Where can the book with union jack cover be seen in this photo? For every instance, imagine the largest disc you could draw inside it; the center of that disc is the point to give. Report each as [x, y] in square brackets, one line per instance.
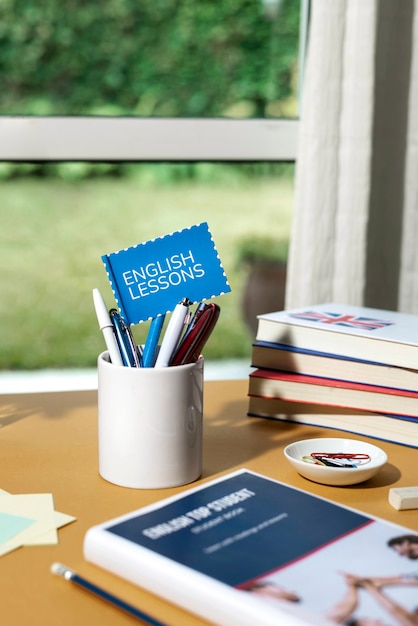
[377, 335]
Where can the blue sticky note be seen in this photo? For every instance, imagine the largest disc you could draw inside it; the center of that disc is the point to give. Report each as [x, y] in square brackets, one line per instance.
[11, 525]
[149, 279]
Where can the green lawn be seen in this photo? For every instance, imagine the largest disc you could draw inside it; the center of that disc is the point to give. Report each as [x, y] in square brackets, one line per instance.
[53, 233]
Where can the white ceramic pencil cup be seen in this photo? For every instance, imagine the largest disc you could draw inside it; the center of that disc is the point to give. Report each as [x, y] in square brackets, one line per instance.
[150, 424]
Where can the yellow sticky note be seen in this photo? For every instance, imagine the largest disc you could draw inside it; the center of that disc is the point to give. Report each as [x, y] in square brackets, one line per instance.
[40, 508]
[61, 519]
[44, 520]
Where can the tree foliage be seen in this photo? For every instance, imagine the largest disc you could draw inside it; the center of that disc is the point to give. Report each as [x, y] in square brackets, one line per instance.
[182, 58]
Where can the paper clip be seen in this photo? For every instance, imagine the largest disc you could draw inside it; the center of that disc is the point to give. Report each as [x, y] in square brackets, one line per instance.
[341, 455]
[310, 459]
[337, 459]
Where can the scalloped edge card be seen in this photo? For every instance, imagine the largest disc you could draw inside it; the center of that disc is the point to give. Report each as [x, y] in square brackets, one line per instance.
[149, 279]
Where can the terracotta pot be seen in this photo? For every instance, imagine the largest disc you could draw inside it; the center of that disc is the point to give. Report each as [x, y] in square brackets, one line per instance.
[264, 291]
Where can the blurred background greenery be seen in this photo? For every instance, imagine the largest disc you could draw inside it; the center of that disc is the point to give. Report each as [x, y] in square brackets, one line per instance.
[237, 58]
[177, 58]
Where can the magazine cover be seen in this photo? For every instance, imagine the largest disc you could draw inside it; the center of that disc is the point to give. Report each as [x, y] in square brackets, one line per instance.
[288, 549]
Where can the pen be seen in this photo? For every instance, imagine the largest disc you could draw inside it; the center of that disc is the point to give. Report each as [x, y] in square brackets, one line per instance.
[127, 347]
[106, 326]
[69, 575]
[199, 310]
[173, 333]
[197, 335]
[151, 343]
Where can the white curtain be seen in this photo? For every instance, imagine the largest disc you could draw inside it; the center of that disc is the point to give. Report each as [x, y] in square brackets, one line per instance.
[355, 230]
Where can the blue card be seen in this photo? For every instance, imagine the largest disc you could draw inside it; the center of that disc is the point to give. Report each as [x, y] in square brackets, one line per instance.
[149, 279]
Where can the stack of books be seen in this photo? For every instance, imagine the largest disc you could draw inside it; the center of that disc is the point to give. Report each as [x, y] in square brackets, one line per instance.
[337, 366]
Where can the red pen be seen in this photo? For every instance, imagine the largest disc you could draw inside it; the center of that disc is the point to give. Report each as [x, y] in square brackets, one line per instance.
[197, 334]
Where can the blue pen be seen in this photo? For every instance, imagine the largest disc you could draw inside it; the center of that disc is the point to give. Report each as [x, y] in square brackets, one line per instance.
[128, 349]
[151, 343]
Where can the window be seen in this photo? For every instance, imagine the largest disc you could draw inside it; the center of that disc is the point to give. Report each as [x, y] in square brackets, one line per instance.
[111, 138]
[222, 80]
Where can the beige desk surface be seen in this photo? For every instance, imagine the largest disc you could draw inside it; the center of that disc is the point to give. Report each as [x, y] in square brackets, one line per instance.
[48, 444]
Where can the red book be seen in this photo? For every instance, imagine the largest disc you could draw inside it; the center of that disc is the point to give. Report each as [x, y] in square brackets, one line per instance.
[331, 392]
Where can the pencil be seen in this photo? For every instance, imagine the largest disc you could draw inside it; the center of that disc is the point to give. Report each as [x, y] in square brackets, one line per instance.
[68, 574]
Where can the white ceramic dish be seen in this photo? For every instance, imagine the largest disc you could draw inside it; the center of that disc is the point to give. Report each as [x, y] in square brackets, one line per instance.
[296, 452]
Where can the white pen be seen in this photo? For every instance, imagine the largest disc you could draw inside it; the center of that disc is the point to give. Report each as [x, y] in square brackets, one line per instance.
[106, 327]
[173, 333]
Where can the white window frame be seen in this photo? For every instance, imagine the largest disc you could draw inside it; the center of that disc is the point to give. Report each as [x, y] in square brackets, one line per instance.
[145, 139]
[82, 138]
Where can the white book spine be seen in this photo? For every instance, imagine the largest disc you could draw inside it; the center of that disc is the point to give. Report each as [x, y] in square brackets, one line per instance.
[197, 593]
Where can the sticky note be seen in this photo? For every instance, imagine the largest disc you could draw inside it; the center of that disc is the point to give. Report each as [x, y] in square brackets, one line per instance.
[29, 520]
[48, 537]
[11, 525]
[39, 507]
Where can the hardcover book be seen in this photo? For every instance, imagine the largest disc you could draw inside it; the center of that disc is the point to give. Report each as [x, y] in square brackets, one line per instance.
[359, 332]
[245, 549]
[332, 392]
[395, 429]
[267, 355]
